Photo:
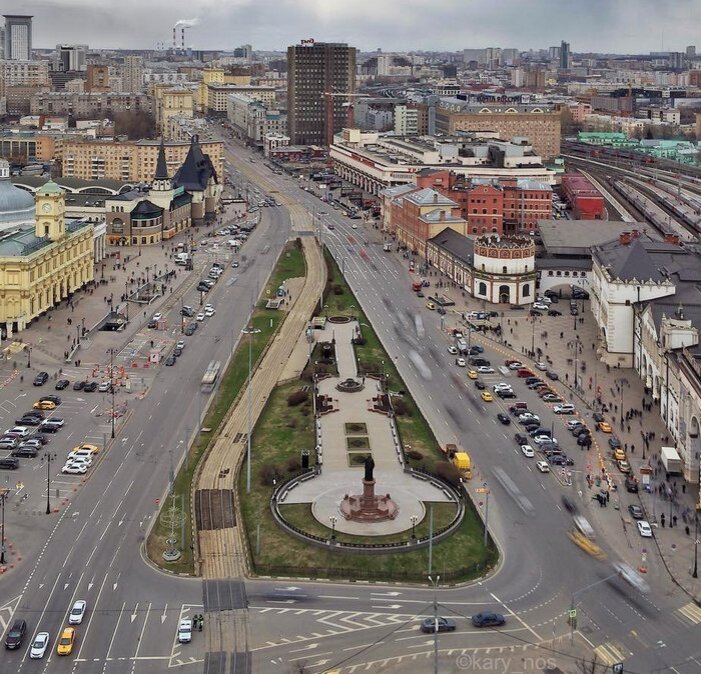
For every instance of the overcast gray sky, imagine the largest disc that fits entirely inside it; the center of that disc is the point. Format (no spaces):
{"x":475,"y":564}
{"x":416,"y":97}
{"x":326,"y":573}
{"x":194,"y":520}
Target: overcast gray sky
{"x":621,"y":26}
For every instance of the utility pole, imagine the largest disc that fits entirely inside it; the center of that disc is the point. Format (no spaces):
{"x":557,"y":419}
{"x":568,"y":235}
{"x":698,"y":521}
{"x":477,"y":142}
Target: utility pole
{"x":250,"y":331}
{"x":111,"y":352}
{"x":435,"y":622}
{"x":3,"y":496}
{"x":48,"y":489}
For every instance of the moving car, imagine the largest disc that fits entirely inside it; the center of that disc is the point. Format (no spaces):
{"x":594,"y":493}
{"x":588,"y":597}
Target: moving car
{"x":15,"y":636}
{"x":453,"y":350}
{"x":428,"y":625}
{"x":488,"y":619}
{"x":460,"y":362}
{"x":563,"y":408}
{"x":190,"y":329}
{"x":503,"y":418}
{"x":543,"y":466}
{"x":636,"y":512}
{"x":480,"y":385}
{"x":200,"y":316}
{"x":485,"y":369}
{"x":527,"y":451}
{"x":65,"y":643}
{"x":644,"y":528}
{"x":631,"y":484}
{"x":41,"y":379}
{"x":487,"y":396}
{"x":39,"y":646}
{"x":430,"y":305}
{"x":623,"y":466}
{"x":75,"y":617}
{"x":605,"y":427}
{"x":472,"y":374}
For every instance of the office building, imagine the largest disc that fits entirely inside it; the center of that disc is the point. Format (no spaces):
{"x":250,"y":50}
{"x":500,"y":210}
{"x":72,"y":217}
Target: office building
{"x":315,"y":69}
{"x":18,"y":37}
{"x":691,"y":52}
{"x":98,"y":79}
{"x":71,"y":56}
{"x":406,"y":121}
{"x":565,"y":58}
{"x":133,"y":74}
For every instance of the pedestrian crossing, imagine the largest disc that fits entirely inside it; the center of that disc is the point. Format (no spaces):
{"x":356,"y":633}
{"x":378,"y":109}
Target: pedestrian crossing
{"x":691,"y":612}
{"x":611,"y":652}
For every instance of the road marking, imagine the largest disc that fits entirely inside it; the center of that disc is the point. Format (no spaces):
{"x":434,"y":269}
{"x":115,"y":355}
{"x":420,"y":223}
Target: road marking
{"x":610,"y":653}
{"x":691,"y":612}
{"x":523,"y":622}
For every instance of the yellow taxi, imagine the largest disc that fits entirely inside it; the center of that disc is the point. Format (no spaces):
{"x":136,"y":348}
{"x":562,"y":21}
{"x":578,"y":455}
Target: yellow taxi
{"x":44,"y":405}
{"x":619,"y":454}
{"x":472,"y":374}
{"x":430,"y":305}
{"x":487,"y":396}
{"x":65,"y":643}
{"x":591,"y":548}
{"x":93,"y":449}
{"x":605,"y":427}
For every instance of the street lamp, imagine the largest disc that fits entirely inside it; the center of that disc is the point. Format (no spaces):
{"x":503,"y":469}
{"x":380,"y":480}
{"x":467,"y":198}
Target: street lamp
{"x":250,"y":331}
{"x":29,"y":356}
{"x":434,"y":583}
{"x":695,"y":572}
{"x":333,"y":519}
{"x":49,"y":459}
{"x":3,"y":496}
{"x":111,"y":352}
{"x":414,"y":519}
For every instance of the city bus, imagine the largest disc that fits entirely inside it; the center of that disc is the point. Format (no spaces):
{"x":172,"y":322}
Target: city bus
{"x":211,"y":374}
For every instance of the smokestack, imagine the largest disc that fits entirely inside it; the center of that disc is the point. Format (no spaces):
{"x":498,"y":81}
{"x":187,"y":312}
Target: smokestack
{"x":182,"y":35}
{"x":175,"y":39}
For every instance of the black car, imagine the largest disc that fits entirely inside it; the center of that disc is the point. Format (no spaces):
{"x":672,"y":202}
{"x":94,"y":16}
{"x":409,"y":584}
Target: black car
{"x":52,"y":399}
{"x":503,"y":418}
{"x":532,"y":380}
{"x":90,"y":387}
{"x":560,"y":460}
{"x":553,"y":298}
{"x":78,"y":386}
{"x":554,"y":312}
{"x":531,"y":425}
{"x":536,"y":384}
{"x":61,"y":384}
{"x":569,"y":505}
{"x":597,"y":416}
{"x":28,"y":421}
{"x":16,"y":634}
{"x":49,"y":428}
{"x":202,"y":287}
{"x":177,"y":352}
{"x":614,"y":442}
{"x":480,"y":385}
{"x":152,"y":324}
{"x":428,"y":625}
{"x":574,"y":311}
{"x":170,"y":361}
{"x":552,"y":375}
{"x":190,"y":329}
{"x":579,"y":431}
{"x":9,"y":463}
{"x":41,"y":378}
{"x":535,"y":312}
{"x":584,"y":440}
{"x":540,"y":431}
{"x":26,"y":452}
{"x":636,"y":512}
{"x":187,"y":311}
{"x":631,"y":484}
{"x":506,"y":393}
{"x":521,"y":439}
{"x":476,"y":348}
{"x":479,"y":362}
{"x":487,"y":619}
{"x":440,"y":310}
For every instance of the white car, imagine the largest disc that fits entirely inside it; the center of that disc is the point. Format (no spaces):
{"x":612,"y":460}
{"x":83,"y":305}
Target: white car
{"x":208,"y":306}
{"x":544,"y":300}
{"x":485,"y":369}
{"x":157,"y":317}
{"x":527,"y":451}
{"x":80,"y":454}
{"x":53,"y":421}
{"x":565,"y":408}
{"x":644,"y":528}
{"x":209,"y":312}
{"x":74,"y":468}
{"x":541,"y":366}
{"x":515,"y":366}
{"x":180,"y":344}
{"x":543,"y":466}
{"x":18,"y":431}
{"x":104,"y":387}
{"x":501,"y":386}
{"x":453,"y":350}
{"x":540,"y":439}
{"x":185,"y":631}
{"x":573,"y":423}
{"x":354,"y":226}
{"x":460,"y":362}
{"x":39,"y":646}
{"x":75,"y":617}
{"x":529,"y":418}
{"x":539,"y":306}
{"x":235,"y":264}
{"x":199,"y":317}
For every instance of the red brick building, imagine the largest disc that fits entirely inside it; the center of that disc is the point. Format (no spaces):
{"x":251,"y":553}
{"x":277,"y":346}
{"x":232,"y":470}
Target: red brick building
{"x":491,"y":206}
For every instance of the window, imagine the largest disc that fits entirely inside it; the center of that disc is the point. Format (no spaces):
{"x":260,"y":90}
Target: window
{"x":482,"y":289}
{"x":503,"y":270}
{"x":559,"y":273}
{"x":527,"y":290}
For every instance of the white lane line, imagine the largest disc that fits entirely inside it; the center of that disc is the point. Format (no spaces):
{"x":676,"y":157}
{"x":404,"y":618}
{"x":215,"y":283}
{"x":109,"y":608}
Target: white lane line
{"x":510,"y":612}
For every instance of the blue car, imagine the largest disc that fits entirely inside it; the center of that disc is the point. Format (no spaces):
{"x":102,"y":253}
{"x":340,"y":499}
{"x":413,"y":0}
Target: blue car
{"x":487,"y":619}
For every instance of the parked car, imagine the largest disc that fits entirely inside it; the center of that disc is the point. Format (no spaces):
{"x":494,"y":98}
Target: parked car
{"x":90,"y":387}
{"x":61,"y":384}
{"x":644,"y":528}
{"x":41,"y":378}
{"x":636,"y":512}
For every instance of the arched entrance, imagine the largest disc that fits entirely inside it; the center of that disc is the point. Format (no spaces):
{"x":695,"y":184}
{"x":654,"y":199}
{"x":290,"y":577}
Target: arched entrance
{"x":504,"y":295}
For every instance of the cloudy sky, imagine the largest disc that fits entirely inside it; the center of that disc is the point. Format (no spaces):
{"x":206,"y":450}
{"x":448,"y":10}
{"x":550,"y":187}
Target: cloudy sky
{"x":620,"y":26}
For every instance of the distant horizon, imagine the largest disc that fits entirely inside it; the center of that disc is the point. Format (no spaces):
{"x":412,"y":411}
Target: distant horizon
{"x":623,"y":27}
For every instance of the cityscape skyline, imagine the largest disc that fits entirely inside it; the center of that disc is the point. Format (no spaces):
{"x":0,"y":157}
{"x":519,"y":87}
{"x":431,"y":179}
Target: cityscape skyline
{"x":448,"y":25}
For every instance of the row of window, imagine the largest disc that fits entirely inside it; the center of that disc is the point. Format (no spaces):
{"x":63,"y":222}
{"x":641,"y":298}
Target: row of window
{"x":581,"y":274}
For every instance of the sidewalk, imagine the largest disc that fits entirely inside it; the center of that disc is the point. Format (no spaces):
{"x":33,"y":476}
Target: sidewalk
{"x":622,"y":392}
{"x":66,"y":332}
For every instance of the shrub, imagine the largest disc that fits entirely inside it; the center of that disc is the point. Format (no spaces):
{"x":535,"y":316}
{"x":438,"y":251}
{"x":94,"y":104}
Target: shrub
{"x":415,"y":455}
{"x":448,"y":472}
{"x":400,"y":407}
{"x":268,"y":473}
{"x":359,"y":341}
{"x":293,"y":464}
{"x":292,"y":423}
{"x":297,"y":397}
{"x":338,"y":290}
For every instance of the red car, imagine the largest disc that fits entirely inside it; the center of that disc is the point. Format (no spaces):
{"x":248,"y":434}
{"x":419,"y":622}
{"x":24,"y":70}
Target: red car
{"x":525,"y":372}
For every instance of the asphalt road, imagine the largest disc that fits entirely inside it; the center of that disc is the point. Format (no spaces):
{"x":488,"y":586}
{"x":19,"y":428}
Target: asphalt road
{"x":541,"y":568}
{"x":92,"y":548}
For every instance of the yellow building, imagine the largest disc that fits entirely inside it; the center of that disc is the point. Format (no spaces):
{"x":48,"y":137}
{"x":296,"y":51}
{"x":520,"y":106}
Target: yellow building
{"x":171,"y":102}
{"x":130,"y":161}
{"x":44,"y":264}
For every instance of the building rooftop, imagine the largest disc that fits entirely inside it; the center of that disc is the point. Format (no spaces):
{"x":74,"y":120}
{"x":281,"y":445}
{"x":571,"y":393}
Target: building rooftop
{"x":461,"y":247}
{"x":568,"y":237}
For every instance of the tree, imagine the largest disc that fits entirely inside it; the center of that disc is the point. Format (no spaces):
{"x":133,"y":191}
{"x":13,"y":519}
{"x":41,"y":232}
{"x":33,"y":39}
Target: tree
{"x":135,"y":124}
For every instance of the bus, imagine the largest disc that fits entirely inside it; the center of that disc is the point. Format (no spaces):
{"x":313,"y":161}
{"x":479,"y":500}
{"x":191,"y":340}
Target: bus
{"x":211,"y":374}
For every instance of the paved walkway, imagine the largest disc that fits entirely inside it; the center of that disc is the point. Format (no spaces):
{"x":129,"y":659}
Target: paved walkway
{"x":222,"y":552}
{"x":621,"y":391}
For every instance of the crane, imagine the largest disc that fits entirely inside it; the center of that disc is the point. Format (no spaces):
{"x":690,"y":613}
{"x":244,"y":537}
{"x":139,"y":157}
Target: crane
{"x":328,"y":97}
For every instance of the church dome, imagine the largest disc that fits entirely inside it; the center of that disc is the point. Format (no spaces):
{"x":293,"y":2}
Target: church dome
{"x":16,"y":204}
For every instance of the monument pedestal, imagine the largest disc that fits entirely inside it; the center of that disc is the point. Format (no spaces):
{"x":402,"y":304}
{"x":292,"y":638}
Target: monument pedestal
{"x":368,"y":507}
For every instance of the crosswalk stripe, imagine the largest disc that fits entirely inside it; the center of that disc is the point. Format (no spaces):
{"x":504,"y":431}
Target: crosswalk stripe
{"x":692,"y":612}
{"x":609,"y":654}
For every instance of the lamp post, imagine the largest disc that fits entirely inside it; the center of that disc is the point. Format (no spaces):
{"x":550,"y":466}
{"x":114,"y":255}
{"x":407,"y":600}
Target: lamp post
{"x":333,"y":519}
{"x":434,"y":583}
{"x":3,"y":496}
{"x":414,"y":519}
{"x":29,"y":356}
{"x":49,"y":459}
{"x":250,"y":331}
{"x":694,"y":573}
{"x":111,"y":352}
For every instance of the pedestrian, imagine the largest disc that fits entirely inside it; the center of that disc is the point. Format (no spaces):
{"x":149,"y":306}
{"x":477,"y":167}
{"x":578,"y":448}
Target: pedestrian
{"x":684,"y":488}
{"x":632,"y":449}
{"x":662,"y":519}
{"x":674,"y":521}
{"x":629,"y":428}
